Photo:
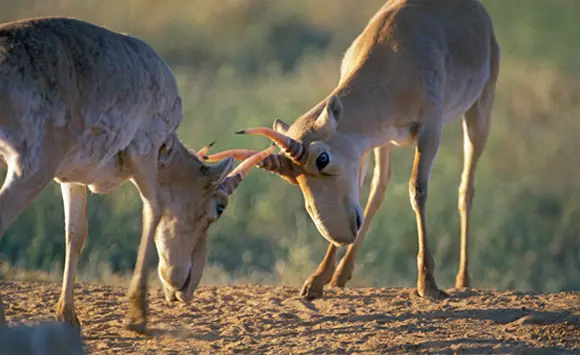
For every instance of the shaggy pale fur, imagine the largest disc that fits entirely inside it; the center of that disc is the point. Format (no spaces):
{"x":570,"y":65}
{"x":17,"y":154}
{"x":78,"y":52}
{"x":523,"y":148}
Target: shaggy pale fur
{"x":91,"y":108}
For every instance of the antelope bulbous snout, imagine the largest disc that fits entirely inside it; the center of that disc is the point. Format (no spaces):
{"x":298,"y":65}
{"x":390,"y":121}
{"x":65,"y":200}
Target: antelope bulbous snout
{"x":176,"y":282}
{"x":339,"y":228}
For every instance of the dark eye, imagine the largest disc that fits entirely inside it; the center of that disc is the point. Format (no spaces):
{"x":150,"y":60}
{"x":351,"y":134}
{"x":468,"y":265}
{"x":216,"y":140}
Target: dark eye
{"x":220,"y":208}
{"x":322,"y":161}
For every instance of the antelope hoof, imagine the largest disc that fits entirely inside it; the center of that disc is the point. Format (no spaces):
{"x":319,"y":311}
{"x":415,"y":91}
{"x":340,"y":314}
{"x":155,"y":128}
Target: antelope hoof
{"x":136,"y":319}
{"x":136,"y":322}
{"x":312,"y":289}
{"x":340,"y":278}
{"x":427,"y":288}
{"x":434,"y":294}
{"x":137,"y":325}
{"x":310,"y":293}
{"x":66,"y":314}
{"x":462,"y":281}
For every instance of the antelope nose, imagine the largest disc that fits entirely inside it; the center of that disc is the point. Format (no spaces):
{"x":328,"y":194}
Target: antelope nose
{"x":358,"y":220}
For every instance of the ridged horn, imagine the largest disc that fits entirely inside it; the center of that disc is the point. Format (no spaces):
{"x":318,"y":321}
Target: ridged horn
{"x":293,"y":149}
{"x":203,"y":151}
{"x":238,"y":154}
{"x":273,"y":162}
{"x":233,"y":180}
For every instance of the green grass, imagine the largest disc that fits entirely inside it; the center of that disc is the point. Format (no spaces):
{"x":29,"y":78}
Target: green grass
{"x":244,"y":63}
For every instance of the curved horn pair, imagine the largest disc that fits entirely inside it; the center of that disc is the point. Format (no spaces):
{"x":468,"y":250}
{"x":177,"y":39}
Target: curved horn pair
{"x":270,"y":163}
{"x":274,"y":163}
{"x":232,"y":181}
{"x":293,"y":149}
{"x":238,"y":154}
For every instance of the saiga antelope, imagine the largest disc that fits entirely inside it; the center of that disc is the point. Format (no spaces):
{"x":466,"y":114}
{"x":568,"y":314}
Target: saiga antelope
{"x":417,"y":65}
{"x":89,"y":107}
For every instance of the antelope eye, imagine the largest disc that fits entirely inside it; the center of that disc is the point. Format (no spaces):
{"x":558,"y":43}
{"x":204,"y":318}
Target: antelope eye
{"x":220,"y":208}
{"x":322,"y":160}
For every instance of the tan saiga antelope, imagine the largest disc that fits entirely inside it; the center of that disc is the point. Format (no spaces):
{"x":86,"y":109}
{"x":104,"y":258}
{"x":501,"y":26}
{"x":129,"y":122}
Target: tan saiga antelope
{"x":92,"y":108}
{"x":417,"y":65}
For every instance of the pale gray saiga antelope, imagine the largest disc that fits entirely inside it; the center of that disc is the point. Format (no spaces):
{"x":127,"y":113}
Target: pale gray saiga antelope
{"x":417,"y":65}
{"x":91,"y":108}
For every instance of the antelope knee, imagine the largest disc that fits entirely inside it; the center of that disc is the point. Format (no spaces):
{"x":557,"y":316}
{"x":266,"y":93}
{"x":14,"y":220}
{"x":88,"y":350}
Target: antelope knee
{"x":465,"y":198}
{"x":76,"y":242}
{"x":417,"y":193}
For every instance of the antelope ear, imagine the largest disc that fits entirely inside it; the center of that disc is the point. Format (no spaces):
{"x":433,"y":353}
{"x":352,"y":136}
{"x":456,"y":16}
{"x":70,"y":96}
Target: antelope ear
{"x":334,"y":108}
{"x":328,"y":120}
{"x":280,"y":126}
{"x":217,"y":173}
{"x":164,"y":154}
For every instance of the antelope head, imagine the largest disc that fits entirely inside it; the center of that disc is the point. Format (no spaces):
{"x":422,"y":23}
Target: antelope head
{"x":322,"y":161}
{"x":193,"y":196}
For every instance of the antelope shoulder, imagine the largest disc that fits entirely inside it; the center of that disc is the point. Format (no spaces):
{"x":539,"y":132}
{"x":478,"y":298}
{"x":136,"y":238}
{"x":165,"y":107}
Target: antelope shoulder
{"x":82,"y":91}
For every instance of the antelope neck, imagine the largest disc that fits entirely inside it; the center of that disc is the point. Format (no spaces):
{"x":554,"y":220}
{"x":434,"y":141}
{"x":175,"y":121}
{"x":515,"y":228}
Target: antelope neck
{"x":365,"y":116}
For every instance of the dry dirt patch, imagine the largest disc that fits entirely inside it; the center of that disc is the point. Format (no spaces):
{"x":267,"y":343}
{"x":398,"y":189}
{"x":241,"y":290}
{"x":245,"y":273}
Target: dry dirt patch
{"x":274,"y":320}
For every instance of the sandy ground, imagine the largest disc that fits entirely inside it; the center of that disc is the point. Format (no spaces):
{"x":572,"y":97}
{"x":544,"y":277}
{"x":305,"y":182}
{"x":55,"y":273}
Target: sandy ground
{"x":274,"y":320}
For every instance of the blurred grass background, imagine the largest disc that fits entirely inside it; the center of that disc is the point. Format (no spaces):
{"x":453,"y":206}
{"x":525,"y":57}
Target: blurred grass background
{"x":242,"y":63}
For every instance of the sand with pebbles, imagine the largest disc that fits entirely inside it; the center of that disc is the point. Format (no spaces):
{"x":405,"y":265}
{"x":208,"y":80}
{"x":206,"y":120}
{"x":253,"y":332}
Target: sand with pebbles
{"x":274,"y":320}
